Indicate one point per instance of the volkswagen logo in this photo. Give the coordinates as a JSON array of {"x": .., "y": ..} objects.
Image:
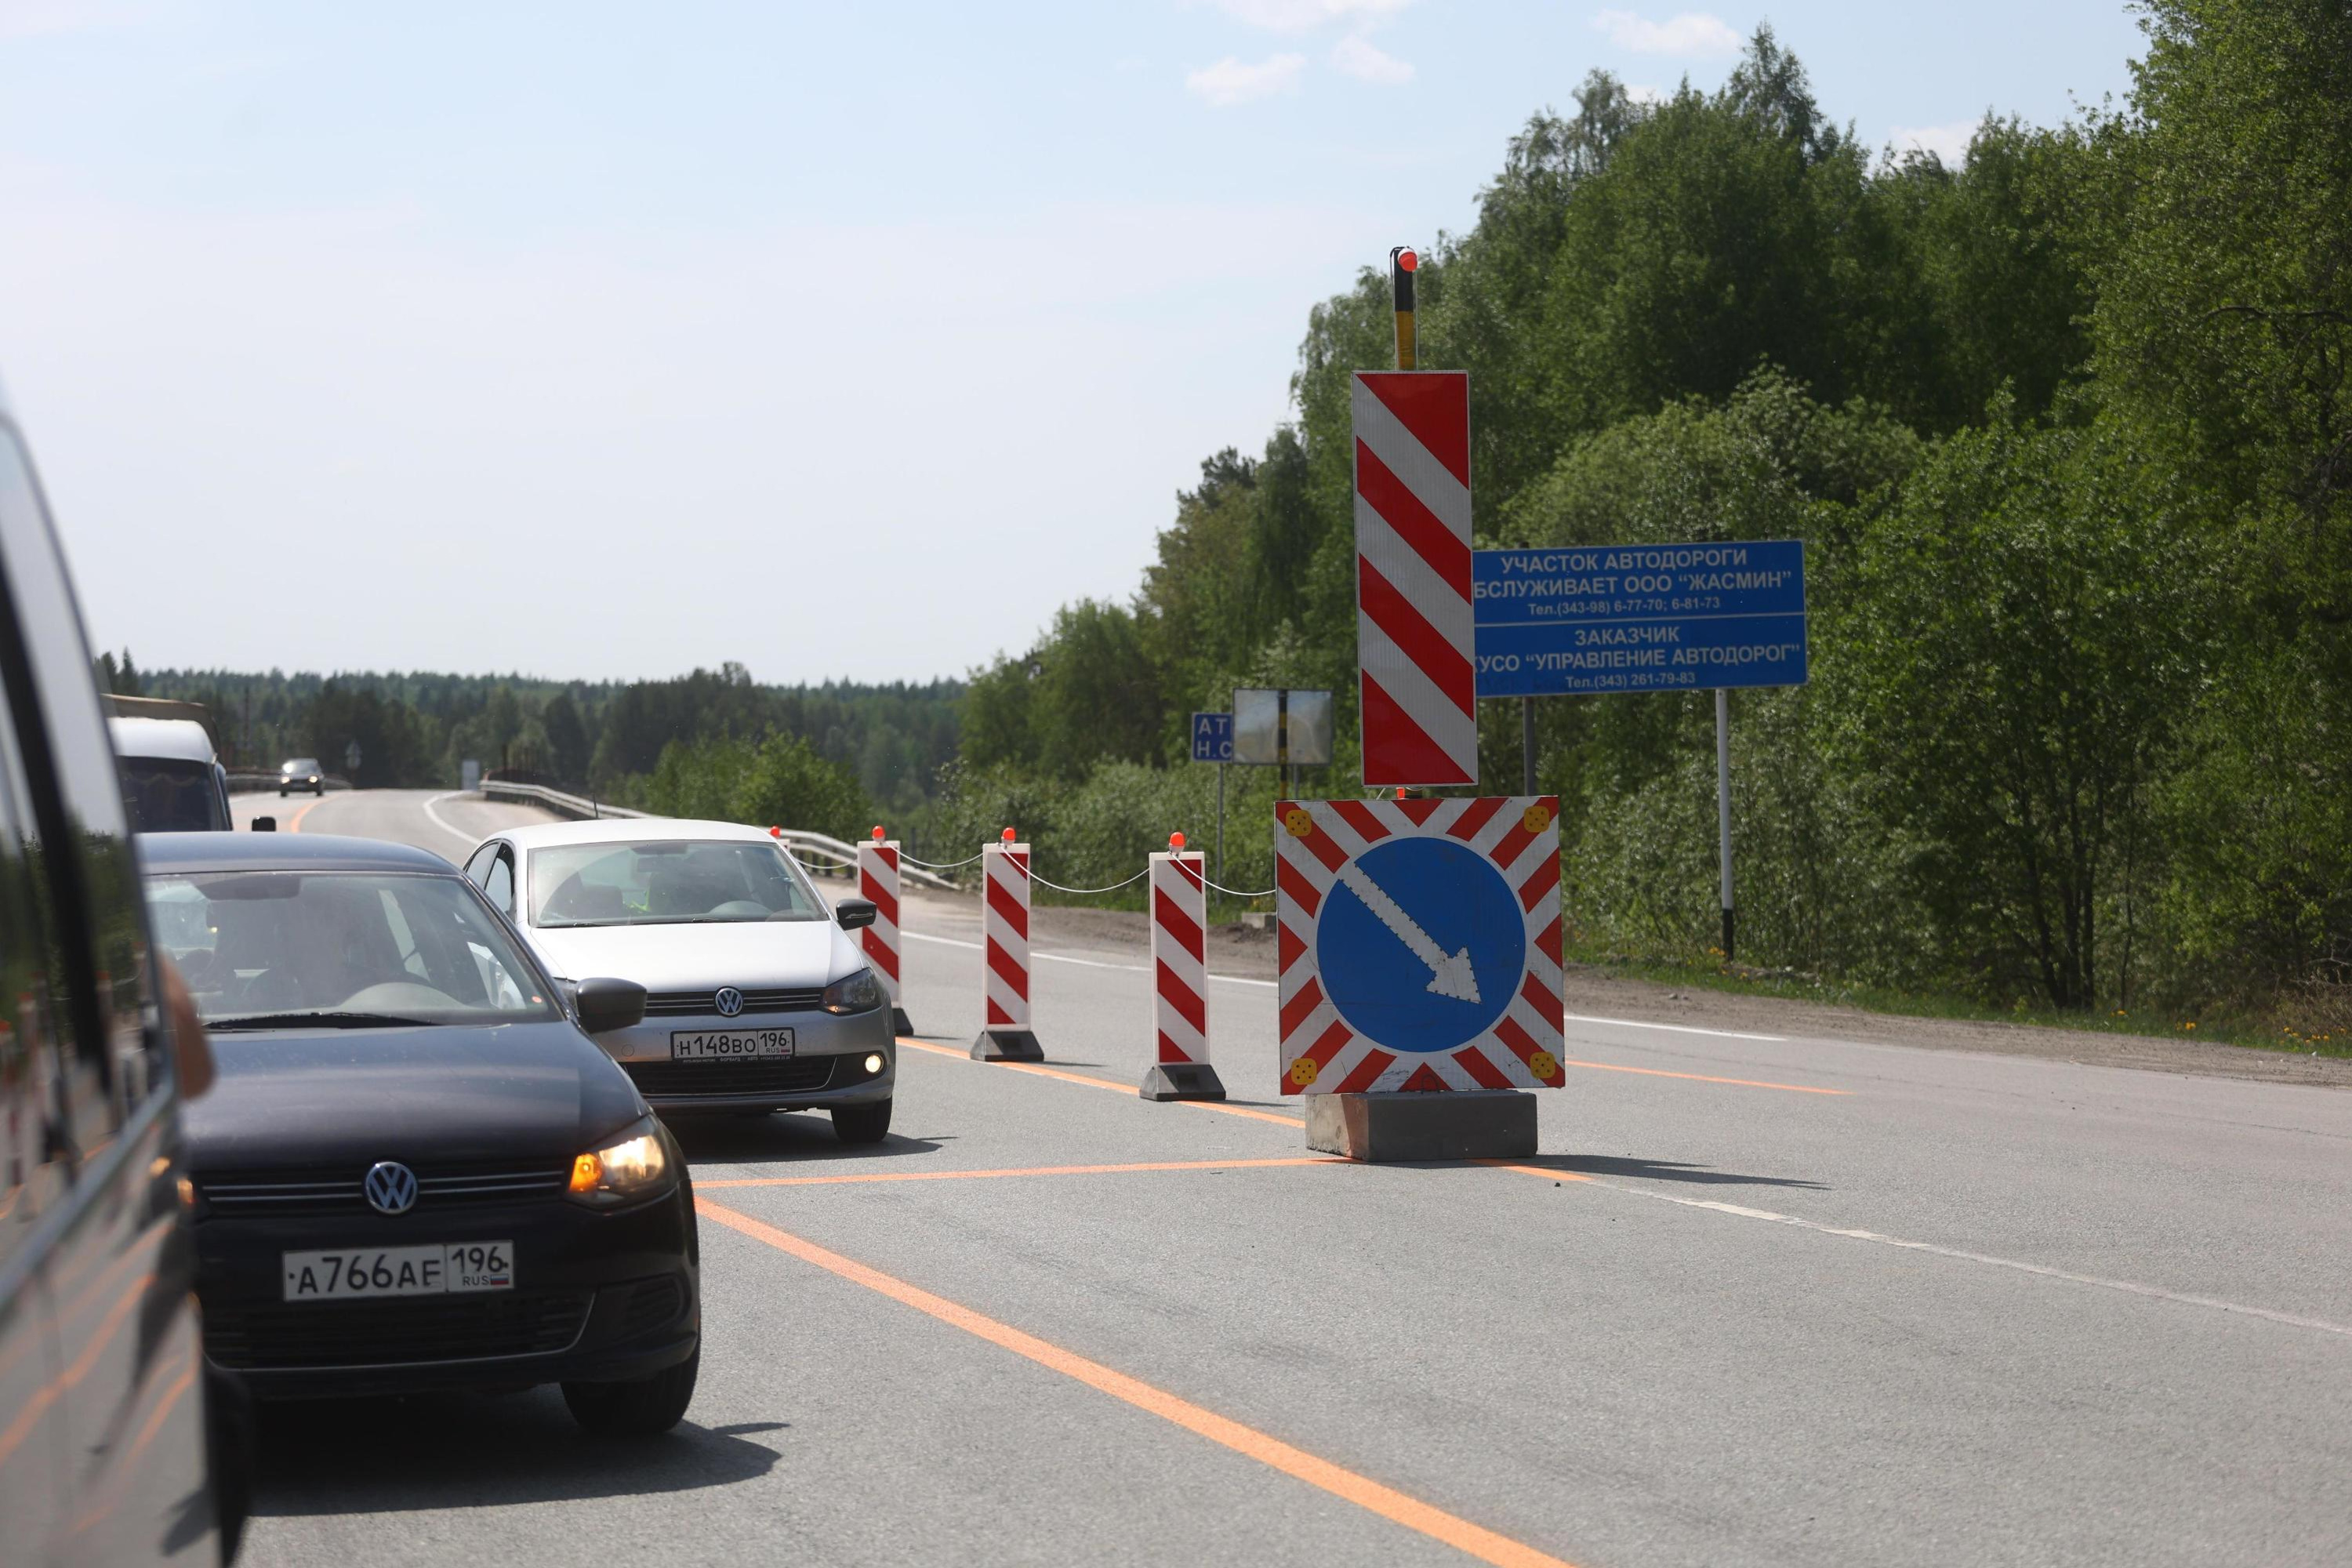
[
  {"x": 391, "y": 1187},
  {"x": 729, "y": 1001}
]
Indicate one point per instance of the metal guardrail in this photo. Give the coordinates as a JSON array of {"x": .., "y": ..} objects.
[{"x": 838, "y": 855}]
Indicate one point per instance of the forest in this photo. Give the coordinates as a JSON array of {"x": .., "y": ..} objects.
[{"x": 2065, "y": 428}]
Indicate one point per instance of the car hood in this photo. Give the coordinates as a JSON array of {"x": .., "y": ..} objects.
[
  {"x": 701, "y": 957},
  {"x": 508, "y": 1091}
]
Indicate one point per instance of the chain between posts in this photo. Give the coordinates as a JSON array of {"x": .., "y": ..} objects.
[
  {"x": 1236, "y": 893},
  {"x": 1114, "y": 887},
  {"x": 938, "y": 865}
]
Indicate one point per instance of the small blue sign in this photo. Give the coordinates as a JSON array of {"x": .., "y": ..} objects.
[
  {"x": 1421, "y": 944},
  {"x": 1639, "y": 617},
  {"x": 1212, "y": 737}
]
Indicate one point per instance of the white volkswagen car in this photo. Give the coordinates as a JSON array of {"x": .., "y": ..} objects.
[{"x": 757, "y": 999}]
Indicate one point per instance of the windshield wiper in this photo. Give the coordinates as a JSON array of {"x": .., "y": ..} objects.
[{"x": 332, "y": 1020}]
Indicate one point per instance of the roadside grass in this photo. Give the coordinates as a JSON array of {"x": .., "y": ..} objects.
[{"x": 2288, "y": 1030}]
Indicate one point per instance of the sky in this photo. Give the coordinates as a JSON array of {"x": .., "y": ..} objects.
[{"x": 603, "y": 341}]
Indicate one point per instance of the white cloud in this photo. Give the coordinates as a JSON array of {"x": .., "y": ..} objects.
[
  {"x": 1305, "y": 15},
  {"x": 1355, "y": 55},
  {"x": 1230, "y": 81},
  {"x": 1696, "y": 33},
  {"x": 1948, "y": 143}
]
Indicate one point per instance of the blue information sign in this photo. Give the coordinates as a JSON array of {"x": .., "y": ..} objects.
[
  {"x": 1212, "y": 737},
  {"x": 1421, "y": 944},
  {"x": 1639, "y": 617}
]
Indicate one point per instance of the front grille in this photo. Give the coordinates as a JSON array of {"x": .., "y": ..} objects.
[
  {"x": 705, "y": 1003},
  {"x": 651, "y": 1303},
  {"x": 266, "y": 1193},
  {"x": 797, "y": 1074},
  {"x": 285, "y": 1336}
]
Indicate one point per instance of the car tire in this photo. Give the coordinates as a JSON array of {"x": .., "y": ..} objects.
[
  {"x": 644, "y": 1408},
  {"x": 862, "y": 1123}
]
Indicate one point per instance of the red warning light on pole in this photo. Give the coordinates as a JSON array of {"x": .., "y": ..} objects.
[
  {"x": 1407, "y": 261},
  {"x": 878, "y": 833},
  {"x": 1403, "y": 261},
  {"x": 1175, "y": 841},
  {"x": 1007, "y": 836}
]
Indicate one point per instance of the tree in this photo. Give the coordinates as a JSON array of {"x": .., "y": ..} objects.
[
  {"x": 2021, "y": 642},
  {"x": 567, "y": 738}
]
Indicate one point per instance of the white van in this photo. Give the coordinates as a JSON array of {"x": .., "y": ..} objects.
[{"x": 172, "y": 782}]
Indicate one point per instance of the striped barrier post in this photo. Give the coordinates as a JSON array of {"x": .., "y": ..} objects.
[
  {"x": 1004, "y": 974},
  {"x": 878, "y": 884},
  {"x": 1179, "y": 978}
]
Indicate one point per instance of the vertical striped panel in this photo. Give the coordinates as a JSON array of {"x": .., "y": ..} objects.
[
  {"x": 878, "y": 884},
  {"x": 1180, "y": 956},
  {"x": 1004, "y": 928}
]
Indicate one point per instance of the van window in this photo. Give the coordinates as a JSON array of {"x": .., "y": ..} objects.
[
  {"x": 31, "y": 1179},
  {"x": 82, "y": 844},
  {"x": 170, "y": 794}
]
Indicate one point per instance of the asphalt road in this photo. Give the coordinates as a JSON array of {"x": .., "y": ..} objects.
[{"x": 1760, "y": 1299}]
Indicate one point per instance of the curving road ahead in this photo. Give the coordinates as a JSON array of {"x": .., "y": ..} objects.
[
  {"x": 1763, "y": 1299},
  {"x": 444, "y": 821}
]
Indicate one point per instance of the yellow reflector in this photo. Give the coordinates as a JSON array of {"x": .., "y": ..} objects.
[{"x": 586, "y": 1172}]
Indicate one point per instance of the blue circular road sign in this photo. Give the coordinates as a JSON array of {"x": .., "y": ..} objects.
[{"x": 1421, "y": 944}]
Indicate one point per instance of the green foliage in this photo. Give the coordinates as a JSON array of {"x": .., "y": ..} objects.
[{"x": 778, "y": 781}]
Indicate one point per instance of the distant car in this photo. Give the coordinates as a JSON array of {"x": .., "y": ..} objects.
[
  {"x": 417, "y": 1170},
  {"x": 757, "y": 999},
  {"x": 301, "y": 772},
  {"x": 172, "y": 782}
]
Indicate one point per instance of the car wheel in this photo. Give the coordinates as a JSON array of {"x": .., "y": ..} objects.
[
  {"x": 862, "y": 1123},
  {"x": 644, "y": 1408}
]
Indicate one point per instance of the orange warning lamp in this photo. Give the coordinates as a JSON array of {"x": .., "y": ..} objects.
[
  {"x": 1175, "y": 841},
  {"x": 1400, "y": 791},
  {"x": 1006, "y": 835},
  {"x": 775, "y": 833},
  {"x": 878, "y": 833},
  {"x": 1407, "y": 261}
]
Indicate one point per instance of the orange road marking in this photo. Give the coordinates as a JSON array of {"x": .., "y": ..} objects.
[
  {"x": 1533, "y": 1171},
  {"x": 1389, "y": 1503},
  {"x": 146, "y": 1435},
  {"x": 1026, "y": 1170},
  {"x": 48, "y": 1392},
  {"x": 1251, "y": 1111},
  {"x": 1702, "y": 1077},
  {"x": 294, "y": 823}
]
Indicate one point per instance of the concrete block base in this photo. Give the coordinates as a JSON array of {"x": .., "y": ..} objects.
[
  {"x": 1006, "y": 1045},
  {"x": 1477, "y": 1124},
  {"x": 901, "y": 1022},
  {"x": 1182, "y": 1080}
]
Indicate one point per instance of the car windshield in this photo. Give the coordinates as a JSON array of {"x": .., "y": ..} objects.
[
  {"x": 167, "y": 794},
  {"x": 302, "y": 765},
  {"x": 341, "y": 949},
  {"x": 666, "y": 883}
]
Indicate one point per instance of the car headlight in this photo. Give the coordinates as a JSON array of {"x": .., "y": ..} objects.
[
  {"x": 630, "y": 1166},
  {"x": 857, "y": 992}
]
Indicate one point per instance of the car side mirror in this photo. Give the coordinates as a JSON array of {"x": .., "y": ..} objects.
[
  {"x": 855, "y": 914},
  {"x": 608, "y": 1004},
  {"x": 265, "y": 825}
]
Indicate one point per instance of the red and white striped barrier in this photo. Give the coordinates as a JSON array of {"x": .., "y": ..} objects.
[
  {"x": 878, "y": 884},
  {"x": 1004, "y": 976},
  {"x": 1179, "y": 978},
  {"x": 1414, "y": 637}
]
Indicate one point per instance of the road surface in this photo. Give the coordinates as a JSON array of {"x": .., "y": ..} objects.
[{"x": 1760, "y": 1301}]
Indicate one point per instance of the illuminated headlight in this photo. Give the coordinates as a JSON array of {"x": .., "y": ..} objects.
[
  {"x": 855, "y": 993},
  {"x": 630, "y": 1167}
]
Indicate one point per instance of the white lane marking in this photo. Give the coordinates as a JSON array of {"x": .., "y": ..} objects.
[
  {"x": 1677, "y": 1029},
  {"x": 443, "y": 822},
  {"x": 1065, "y": 958},
  {"x": 2129, "y": 1287}
]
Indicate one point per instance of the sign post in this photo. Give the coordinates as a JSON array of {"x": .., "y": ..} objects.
[
  {"x": 1212, "y": 741},
  {"x": 1723, "y": 804}
]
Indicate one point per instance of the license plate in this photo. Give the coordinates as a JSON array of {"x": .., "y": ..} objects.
[
  {"x": 441, "y": 1270},
  {"x": 730, "y": 1045}
]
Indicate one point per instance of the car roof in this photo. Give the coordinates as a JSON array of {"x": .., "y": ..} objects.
[
  {"x": 618, "y": 829},
  {"x": 182, "y": 739},
  {"x": 159, "y": 852}
]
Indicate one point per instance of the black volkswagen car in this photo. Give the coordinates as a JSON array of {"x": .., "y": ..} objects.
[{"x": 418, "y": 1171}]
